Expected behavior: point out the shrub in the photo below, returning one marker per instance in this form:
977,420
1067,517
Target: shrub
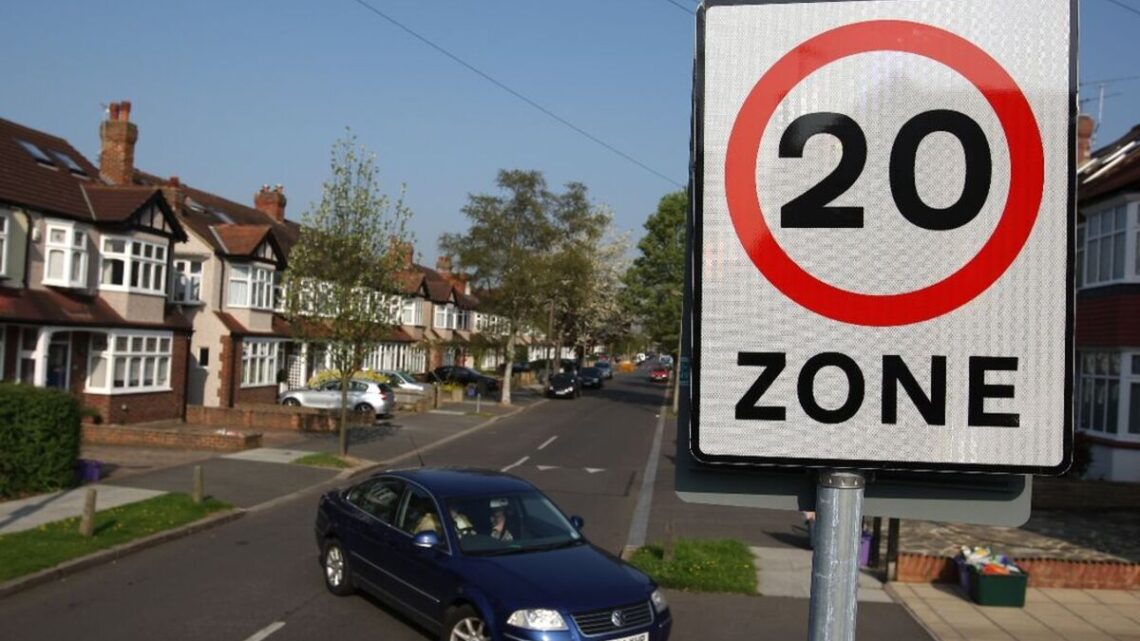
39,439
327,375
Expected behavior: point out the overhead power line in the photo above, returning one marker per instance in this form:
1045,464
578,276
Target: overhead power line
515,93
1126,7
688,10
1111,81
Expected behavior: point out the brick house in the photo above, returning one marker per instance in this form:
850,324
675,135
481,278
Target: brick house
142,294
1107,377
84,277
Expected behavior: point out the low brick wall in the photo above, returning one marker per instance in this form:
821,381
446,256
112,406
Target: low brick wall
1043,573
269,417
173,438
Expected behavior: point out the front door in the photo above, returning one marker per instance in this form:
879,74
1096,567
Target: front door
59,361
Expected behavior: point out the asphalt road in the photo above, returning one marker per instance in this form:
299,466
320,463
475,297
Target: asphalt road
258,577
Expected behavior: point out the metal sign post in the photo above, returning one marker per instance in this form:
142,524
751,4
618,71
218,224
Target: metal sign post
834,565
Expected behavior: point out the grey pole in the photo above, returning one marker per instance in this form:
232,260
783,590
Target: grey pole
835,558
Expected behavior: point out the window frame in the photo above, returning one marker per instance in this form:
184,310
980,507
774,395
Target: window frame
190,278
70,250
1089,244
413,307
134,265
1124,426
260,361
5,243
259,282
159,361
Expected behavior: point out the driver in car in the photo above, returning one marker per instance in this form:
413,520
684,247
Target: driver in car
499,525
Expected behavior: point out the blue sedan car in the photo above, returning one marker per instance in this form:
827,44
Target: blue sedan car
479,555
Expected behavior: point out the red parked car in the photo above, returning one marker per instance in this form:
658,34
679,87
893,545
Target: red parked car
659,374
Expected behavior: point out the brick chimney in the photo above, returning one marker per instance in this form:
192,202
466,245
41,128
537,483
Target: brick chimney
405,252
118,136
175,195
1085,126
443,265
271,201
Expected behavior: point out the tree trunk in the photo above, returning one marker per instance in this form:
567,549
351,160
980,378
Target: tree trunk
505,397
344,414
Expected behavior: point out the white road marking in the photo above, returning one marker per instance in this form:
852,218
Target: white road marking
516,464
594,470
266,631
543,468
640,525
548,441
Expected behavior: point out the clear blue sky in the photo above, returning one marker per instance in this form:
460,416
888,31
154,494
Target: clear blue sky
231,95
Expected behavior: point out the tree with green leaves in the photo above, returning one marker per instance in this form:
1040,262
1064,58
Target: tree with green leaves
514,241
654,284
342,285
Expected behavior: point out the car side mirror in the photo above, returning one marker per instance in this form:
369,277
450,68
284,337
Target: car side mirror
426,540
578,522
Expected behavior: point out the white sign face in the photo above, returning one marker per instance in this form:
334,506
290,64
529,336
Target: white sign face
882,234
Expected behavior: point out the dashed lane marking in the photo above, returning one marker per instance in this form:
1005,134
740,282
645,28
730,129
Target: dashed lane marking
516,464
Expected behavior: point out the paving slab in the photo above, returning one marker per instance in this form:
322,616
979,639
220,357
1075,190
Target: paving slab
1050,614
786,572
32,512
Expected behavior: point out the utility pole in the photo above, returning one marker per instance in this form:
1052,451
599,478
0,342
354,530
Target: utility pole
549,337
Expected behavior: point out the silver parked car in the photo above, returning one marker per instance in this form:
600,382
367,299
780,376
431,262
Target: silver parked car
363,396
403,380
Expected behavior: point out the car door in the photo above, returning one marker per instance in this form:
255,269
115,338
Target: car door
422,574
327,395
370,530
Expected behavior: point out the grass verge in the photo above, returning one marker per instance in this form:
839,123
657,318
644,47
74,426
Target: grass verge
323,459
700,566
53,543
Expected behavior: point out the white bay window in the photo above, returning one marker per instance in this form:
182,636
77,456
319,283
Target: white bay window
1108,246
132,265
251,286
129,362
259,358
1108,394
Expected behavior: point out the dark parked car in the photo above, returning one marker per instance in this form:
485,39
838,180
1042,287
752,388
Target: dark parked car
591,377
463,376
482,555
564,385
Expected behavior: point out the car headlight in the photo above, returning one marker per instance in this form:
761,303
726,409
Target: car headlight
538,619
659,603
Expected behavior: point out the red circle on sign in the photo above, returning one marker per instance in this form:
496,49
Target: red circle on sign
1027,173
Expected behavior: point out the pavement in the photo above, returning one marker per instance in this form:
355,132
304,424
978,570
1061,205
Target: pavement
253,479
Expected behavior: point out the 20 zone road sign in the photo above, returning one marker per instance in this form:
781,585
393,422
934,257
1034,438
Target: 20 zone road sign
882,234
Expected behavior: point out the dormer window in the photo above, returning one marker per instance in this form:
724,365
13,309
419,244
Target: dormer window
65,254
132,265
251,286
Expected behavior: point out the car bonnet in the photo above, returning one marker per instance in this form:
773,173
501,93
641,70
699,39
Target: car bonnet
572,579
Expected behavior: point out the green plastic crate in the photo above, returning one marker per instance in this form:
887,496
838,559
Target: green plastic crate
998,589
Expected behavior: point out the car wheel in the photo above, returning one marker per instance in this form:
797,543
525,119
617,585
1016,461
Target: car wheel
291,402
465,624
338,576
364,408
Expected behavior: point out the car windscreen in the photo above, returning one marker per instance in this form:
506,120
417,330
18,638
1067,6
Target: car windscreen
509,523
590,371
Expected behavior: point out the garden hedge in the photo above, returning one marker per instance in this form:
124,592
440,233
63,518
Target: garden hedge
39,439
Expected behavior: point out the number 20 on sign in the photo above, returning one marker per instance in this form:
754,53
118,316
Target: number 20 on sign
883,215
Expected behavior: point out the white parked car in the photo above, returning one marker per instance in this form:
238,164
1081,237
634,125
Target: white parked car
403,380
363,396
